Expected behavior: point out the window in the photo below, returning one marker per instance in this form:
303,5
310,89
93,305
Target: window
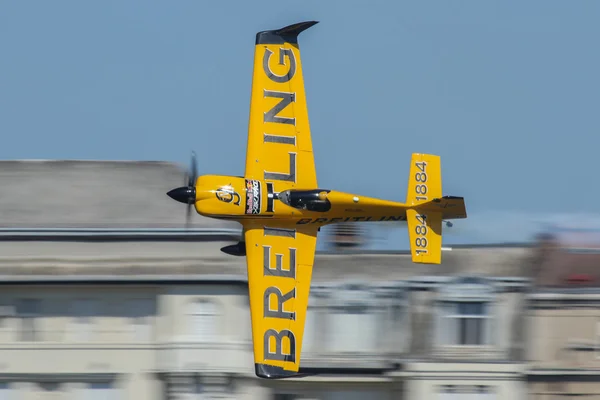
202,318
198,389
100,391
464,323
464,313
140,313
393,320
312,328
28,311
353,323
83,312
288,396
50,390
284,396
6,391
7,313
466,392
597,343
247,320
358,394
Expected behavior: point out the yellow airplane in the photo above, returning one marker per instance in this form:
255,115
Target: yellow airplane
281,207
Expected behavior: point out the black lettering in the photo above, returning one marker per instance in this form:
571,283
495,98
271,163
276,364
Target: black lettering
347,219
270,197
279,232
281,299
278,354
267,138
278,270
282,54
279,176
286,99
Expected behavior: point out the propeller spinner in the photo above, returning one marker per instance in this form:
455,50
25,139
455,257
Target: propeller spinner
187,194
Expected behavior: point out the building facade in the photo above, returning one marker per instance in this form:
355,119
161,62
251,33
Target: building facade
120,301
165,332
564,318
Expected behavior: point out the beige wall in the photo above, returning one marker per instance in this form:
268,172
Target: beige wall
564,346
172,343
564,389
465,380
565,337
64,356
482,387
368,317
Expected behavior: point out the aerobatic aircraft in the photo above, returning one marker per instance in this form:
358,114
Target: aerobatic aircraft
281,207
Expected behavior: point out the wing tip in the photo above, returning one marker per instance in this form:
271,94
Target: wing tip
272,372
286,34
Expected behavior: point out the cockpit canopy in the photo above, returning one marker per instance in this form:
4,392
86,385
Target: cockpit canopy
309,200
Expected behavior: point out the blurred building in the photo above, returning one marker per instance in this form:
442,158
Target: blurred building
344,236
564,323
104,294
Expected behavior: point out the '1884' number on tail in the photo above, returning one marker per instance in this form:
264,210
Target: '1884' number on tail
421,231
421,178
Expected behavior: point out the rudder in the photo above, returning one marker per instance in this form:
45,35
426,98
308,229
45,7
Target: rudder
425,179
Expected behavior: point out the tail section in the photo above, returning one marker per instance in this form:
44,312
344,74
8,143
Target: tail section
425,233
425,179
428,208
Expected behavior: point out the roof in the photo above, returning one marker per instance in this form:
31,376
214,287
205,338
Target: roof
98,194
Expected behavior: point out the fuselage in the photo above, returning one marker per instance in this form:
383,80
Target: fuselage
238,198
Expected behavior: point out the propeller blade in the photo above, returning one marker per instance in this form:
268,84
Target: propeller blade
187,194
193,174
187,217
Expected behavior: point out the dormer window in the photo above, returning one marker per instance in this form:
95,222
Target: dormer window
463,313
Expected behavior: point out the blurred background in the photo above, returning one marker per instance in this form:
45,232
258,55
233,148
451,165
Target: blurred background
105,293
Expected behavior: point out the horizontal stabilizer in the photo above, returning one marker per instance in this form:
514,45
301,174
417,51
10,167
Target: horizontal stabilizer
451,207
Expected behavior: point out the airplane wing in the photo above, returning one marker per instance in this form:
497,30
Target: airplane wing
279,141
280,262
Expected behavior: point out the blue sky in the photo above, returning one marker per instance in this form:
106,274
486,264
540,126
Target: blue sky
506,92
